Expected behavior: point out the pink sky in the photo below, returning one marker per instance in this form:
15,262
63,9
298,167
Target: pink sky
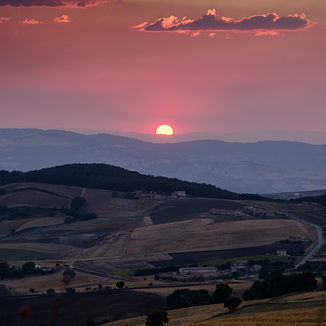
201,66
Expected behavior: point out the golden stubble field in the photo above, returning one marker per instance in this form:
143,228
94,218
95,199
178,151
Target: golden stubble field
203,234
285,311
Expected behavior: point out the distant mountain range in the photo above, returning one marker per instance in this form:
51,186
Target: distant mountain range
261,167
248,136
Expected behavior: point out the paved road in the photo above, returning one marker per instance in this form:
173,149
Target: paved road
316,247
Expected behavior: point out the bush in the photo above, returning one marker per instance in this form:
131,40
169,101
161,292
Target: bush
70,290
50,291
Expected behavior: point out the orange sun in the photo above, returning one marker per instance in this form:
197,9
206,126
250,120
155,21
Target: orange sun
164,130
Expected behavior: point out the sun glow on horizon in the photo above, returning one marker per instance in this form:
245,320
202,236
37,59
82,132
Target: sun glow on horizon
164,130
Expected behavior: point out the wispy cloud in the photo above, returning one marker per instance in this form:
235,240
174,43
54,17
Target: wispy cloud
52,3
31,21
265,24
62,19
4,19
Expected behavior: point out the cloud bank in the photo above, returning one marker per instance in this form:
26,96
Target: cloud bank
52,3
270,23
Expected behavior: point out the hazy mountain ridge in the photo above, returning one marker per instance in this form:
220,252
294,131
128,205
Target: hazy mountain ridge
261,167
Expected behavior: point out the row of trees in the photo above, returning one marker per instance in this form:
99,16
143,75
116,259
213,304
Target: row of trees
75,212
183,298
260,289
281,284
17,272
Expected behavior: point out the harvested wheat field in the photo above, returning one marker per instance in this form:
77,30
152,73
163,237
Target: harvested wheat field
300,317
184,317
203,234
303,309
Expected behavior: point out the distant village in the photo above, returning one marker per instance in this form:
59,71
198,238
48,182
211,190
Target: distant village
154,195
247,210
144,194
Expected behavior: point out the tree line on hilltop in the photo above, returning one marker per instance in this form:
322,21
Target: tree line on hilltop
104,176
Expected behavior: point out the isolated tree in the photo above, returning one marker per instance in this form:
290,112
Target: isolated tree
70,290
232,303
50,291
120,284
69,272
68,275
157,318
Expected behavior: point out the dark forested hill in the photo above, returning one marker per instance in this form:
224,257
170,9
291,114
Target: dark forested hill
104,176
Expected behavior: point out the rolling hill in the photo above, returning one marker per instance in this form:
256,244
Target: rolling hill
130,234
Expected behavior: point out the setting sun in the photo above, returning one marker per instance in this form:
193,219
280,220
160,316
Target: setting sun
164,130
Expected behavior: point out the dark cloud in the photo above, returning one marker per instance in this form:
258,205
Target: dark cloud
51,3
212,23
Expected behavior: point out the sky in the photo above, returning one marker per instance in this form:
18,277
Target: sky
201,66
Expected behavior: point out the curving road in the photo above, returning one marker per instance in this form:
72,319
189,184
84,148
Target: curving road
316,247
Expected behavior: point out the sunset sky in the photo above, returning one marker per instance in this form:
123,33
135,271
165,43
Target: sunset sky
129,65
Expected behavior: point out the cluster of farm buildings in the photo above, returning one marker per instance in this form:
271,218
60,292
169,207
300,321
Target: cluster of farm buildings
247,210
154,195
239,266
